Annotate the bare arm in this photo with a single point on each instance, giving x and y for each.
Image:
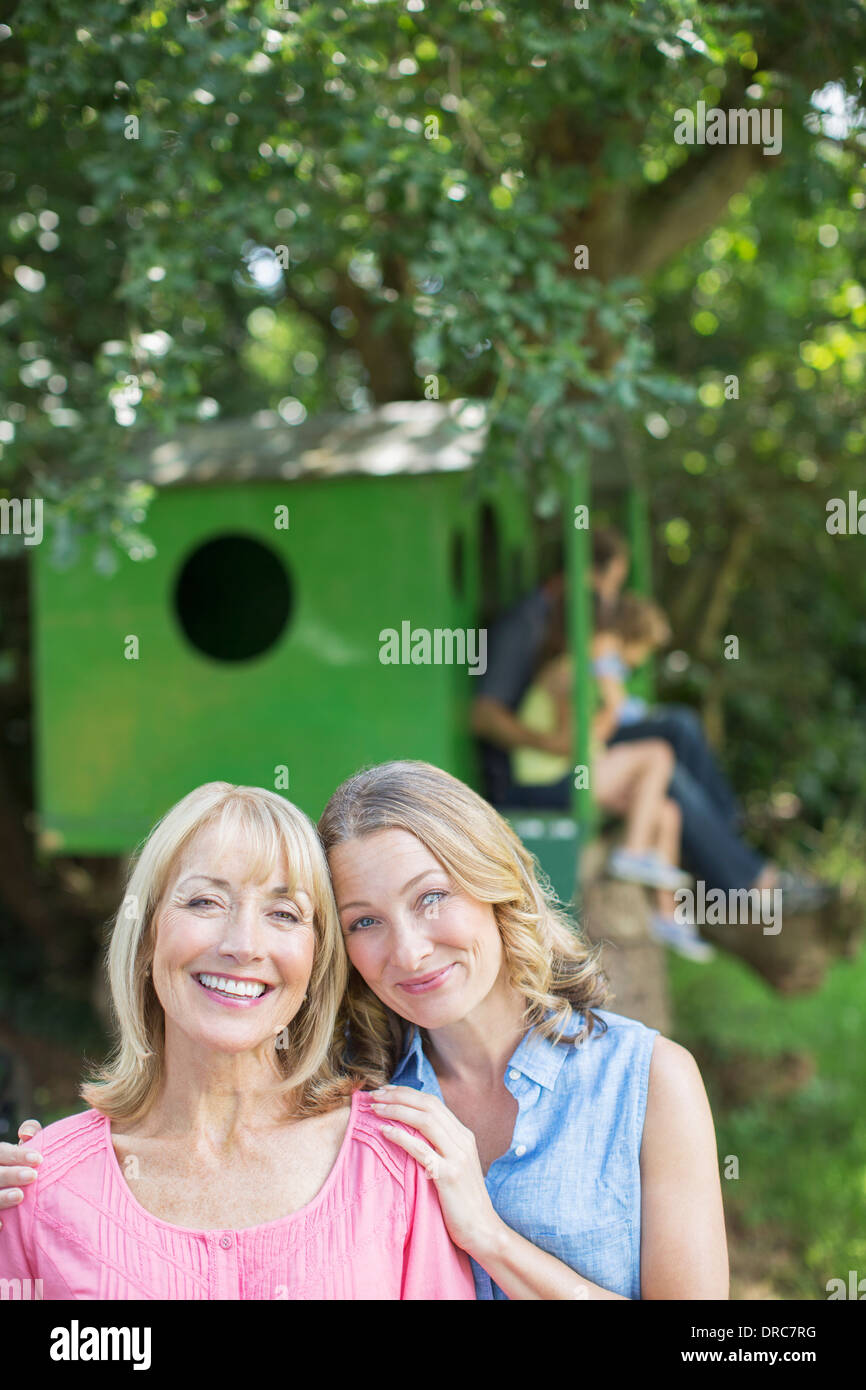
(561, 688)
(495, 722)
(684, 1253)
(604, 724)
(525, 1272)
(611, 690)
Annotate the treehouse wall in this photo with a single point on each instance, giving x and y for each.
(242, 648)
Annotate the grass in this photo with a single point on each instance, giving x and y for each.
(801, 1147)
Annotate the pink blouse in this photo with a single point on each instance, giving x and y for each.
(374, 1230)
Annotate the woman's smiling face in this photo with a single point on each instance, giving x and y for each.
(428, 950)
(233, 955)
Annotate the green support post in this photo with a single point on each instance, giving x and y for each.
(637, 522)
(578, 560)
(642, 682)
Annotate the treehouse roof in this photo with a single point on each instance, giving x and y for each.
(396, 438)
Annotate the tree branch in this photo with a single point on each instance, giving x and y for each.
(689, 203)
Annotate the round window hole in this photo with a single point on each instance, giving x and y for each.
(233, 598)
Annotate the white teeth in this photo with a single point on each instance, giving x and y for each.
(248, 989)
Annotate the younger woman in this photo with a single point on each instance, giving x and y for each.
(572, 1148)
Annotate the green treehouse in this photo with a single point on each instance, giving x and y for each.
(318, 602)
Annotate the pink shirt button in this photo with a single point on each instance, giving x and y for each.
(226, 1242)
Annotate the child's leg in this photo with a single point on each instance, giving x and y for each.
(665, 926)
(667, 846)
(632, 779)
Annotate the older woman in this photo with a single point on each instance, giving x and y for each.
(573, 1148)
(223, 1156)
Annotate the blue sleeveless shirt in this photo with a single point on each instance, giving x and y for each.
(570, 1180)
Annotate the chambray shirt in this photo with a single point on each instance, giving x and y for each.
(570, 1180)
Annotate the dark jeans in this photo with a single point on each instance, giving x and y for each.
(712, 850)
(681, 727)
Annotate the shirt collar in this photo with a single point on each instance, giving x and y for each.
(538, 1058)
(412, 1059)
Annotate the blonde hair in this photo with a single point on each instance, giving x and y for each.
(638, 620)
(548, 962)
(129, 1082)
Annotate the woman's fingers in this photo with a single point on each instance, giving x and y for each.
(425, 1123)
(12, 1155)
(407, 1095)
(19, 1153)
(416, 1148)
(446, 1151)
(14, 1179)
(420, 1103)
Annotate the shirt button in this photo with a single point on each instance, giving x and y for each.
(520, 1150)
(226, 1242)
(513, 1075)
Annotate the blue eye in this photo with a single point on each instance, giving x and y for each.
(360, 923)
(202, 902)
(436, 894)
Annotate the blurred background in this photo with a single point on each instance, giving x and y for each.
(225, 225)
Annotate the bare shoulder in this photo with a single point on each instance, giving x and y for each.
(673, 1067)
(333, 1122)
(676, 1100)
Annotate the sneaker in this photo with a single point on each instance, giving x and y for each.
(646, 868)
(681, 938)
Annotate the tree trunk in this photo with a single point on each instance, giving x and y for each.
(616, 915)
(715, 618)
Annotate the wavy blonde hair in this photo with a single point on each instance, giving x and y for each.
(126, 1086)
(548, 962)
